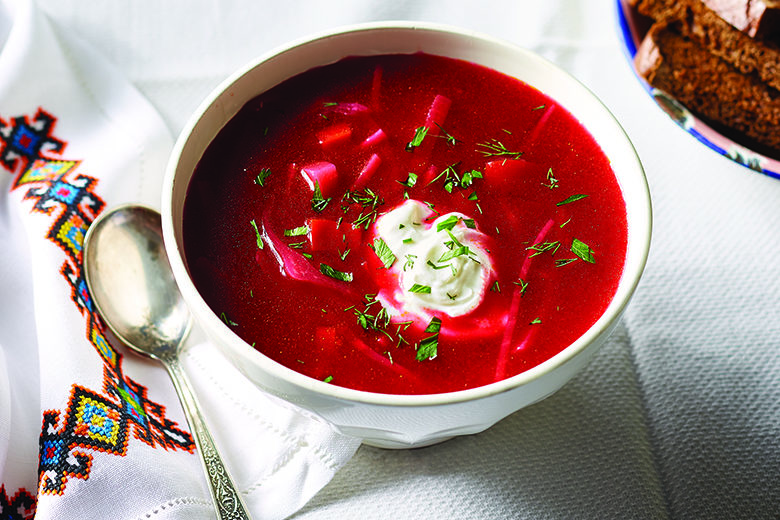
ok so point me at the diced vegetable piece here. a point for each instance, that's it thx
(429, 175)
(328, 235)
(374, 139)
(505, 172)
(322, 173)
(437, 113)
(296, 266)
(514, 307)
(372, 165)
(334, 134)
(537, 130)
(346, 109)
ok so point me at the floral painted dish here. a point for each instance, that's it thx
(632, 27)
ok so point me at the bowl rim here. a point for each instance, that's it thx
(626, 287)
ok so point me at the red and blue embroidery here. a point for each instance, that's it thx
(93, 421)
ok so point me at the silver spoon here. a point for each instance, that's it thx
(131, 283)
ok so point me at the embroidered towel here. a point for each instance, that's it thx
(88, 430)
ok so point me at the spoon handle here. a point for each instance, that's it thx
(227, 498)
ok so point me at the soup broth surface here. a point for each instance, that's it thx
(283, 216)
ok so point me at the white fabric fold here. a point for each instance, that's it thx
(87, 429)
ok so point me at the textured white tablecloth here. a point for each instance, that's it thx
(678, 416)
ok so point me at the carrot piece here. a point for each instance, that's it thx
(334, 135)
(322, 173)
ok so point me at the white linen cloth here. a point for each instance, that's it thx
(85, 430)
(679, 414)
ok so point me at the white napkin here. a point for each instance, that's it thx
(88, 430)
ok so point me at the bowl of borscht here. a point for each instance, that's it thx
(408, 230)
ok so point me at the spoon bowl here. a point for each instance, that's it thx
(132, 286)
(124, 255)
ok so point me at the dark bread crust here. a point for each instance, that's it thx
(708, 86)
(698, 22)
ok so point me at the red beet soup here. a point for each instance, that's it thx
(405, 224)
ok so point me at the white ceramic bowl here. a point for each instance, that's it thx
(407, 420)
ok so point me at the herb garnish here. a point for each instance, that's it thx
(552, 182)
(296, 232)
(227, 320)
(369, 201)
(410, 258)
(411, 180)
(328, 379)
(318, 202)
(523, 285)
(543, 247)
(450, 139)
(419, 134)
(338, 275)
(452, 180)
(570, 199)
(428, 348)
(564, 261)
(262, 176)
(382, 250)
(257, 234)
(495, 148)
(452, 221)
(582, 250)
(420, 289)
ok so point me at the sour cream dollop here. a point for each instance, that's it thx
(441, 265)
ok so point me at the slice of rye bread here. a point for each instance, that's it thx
(709, 87)
(756, 18)
(700, 23)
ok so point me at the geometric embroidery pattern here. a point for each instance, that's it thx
(93, 421)
(21, 506)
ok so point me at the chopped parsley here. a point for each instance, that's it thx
(410, 181)
(420, 289)
(338, 275)
(582, 250)
(428, 347)
(328, 379)
(419, 134)
(258, 236)
(382, 250)
(452, 221)
(296, 232)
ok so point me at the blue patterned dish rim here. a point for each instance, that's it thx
(682, 116)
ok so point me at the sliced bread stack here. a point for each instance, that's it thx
(719, 58)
